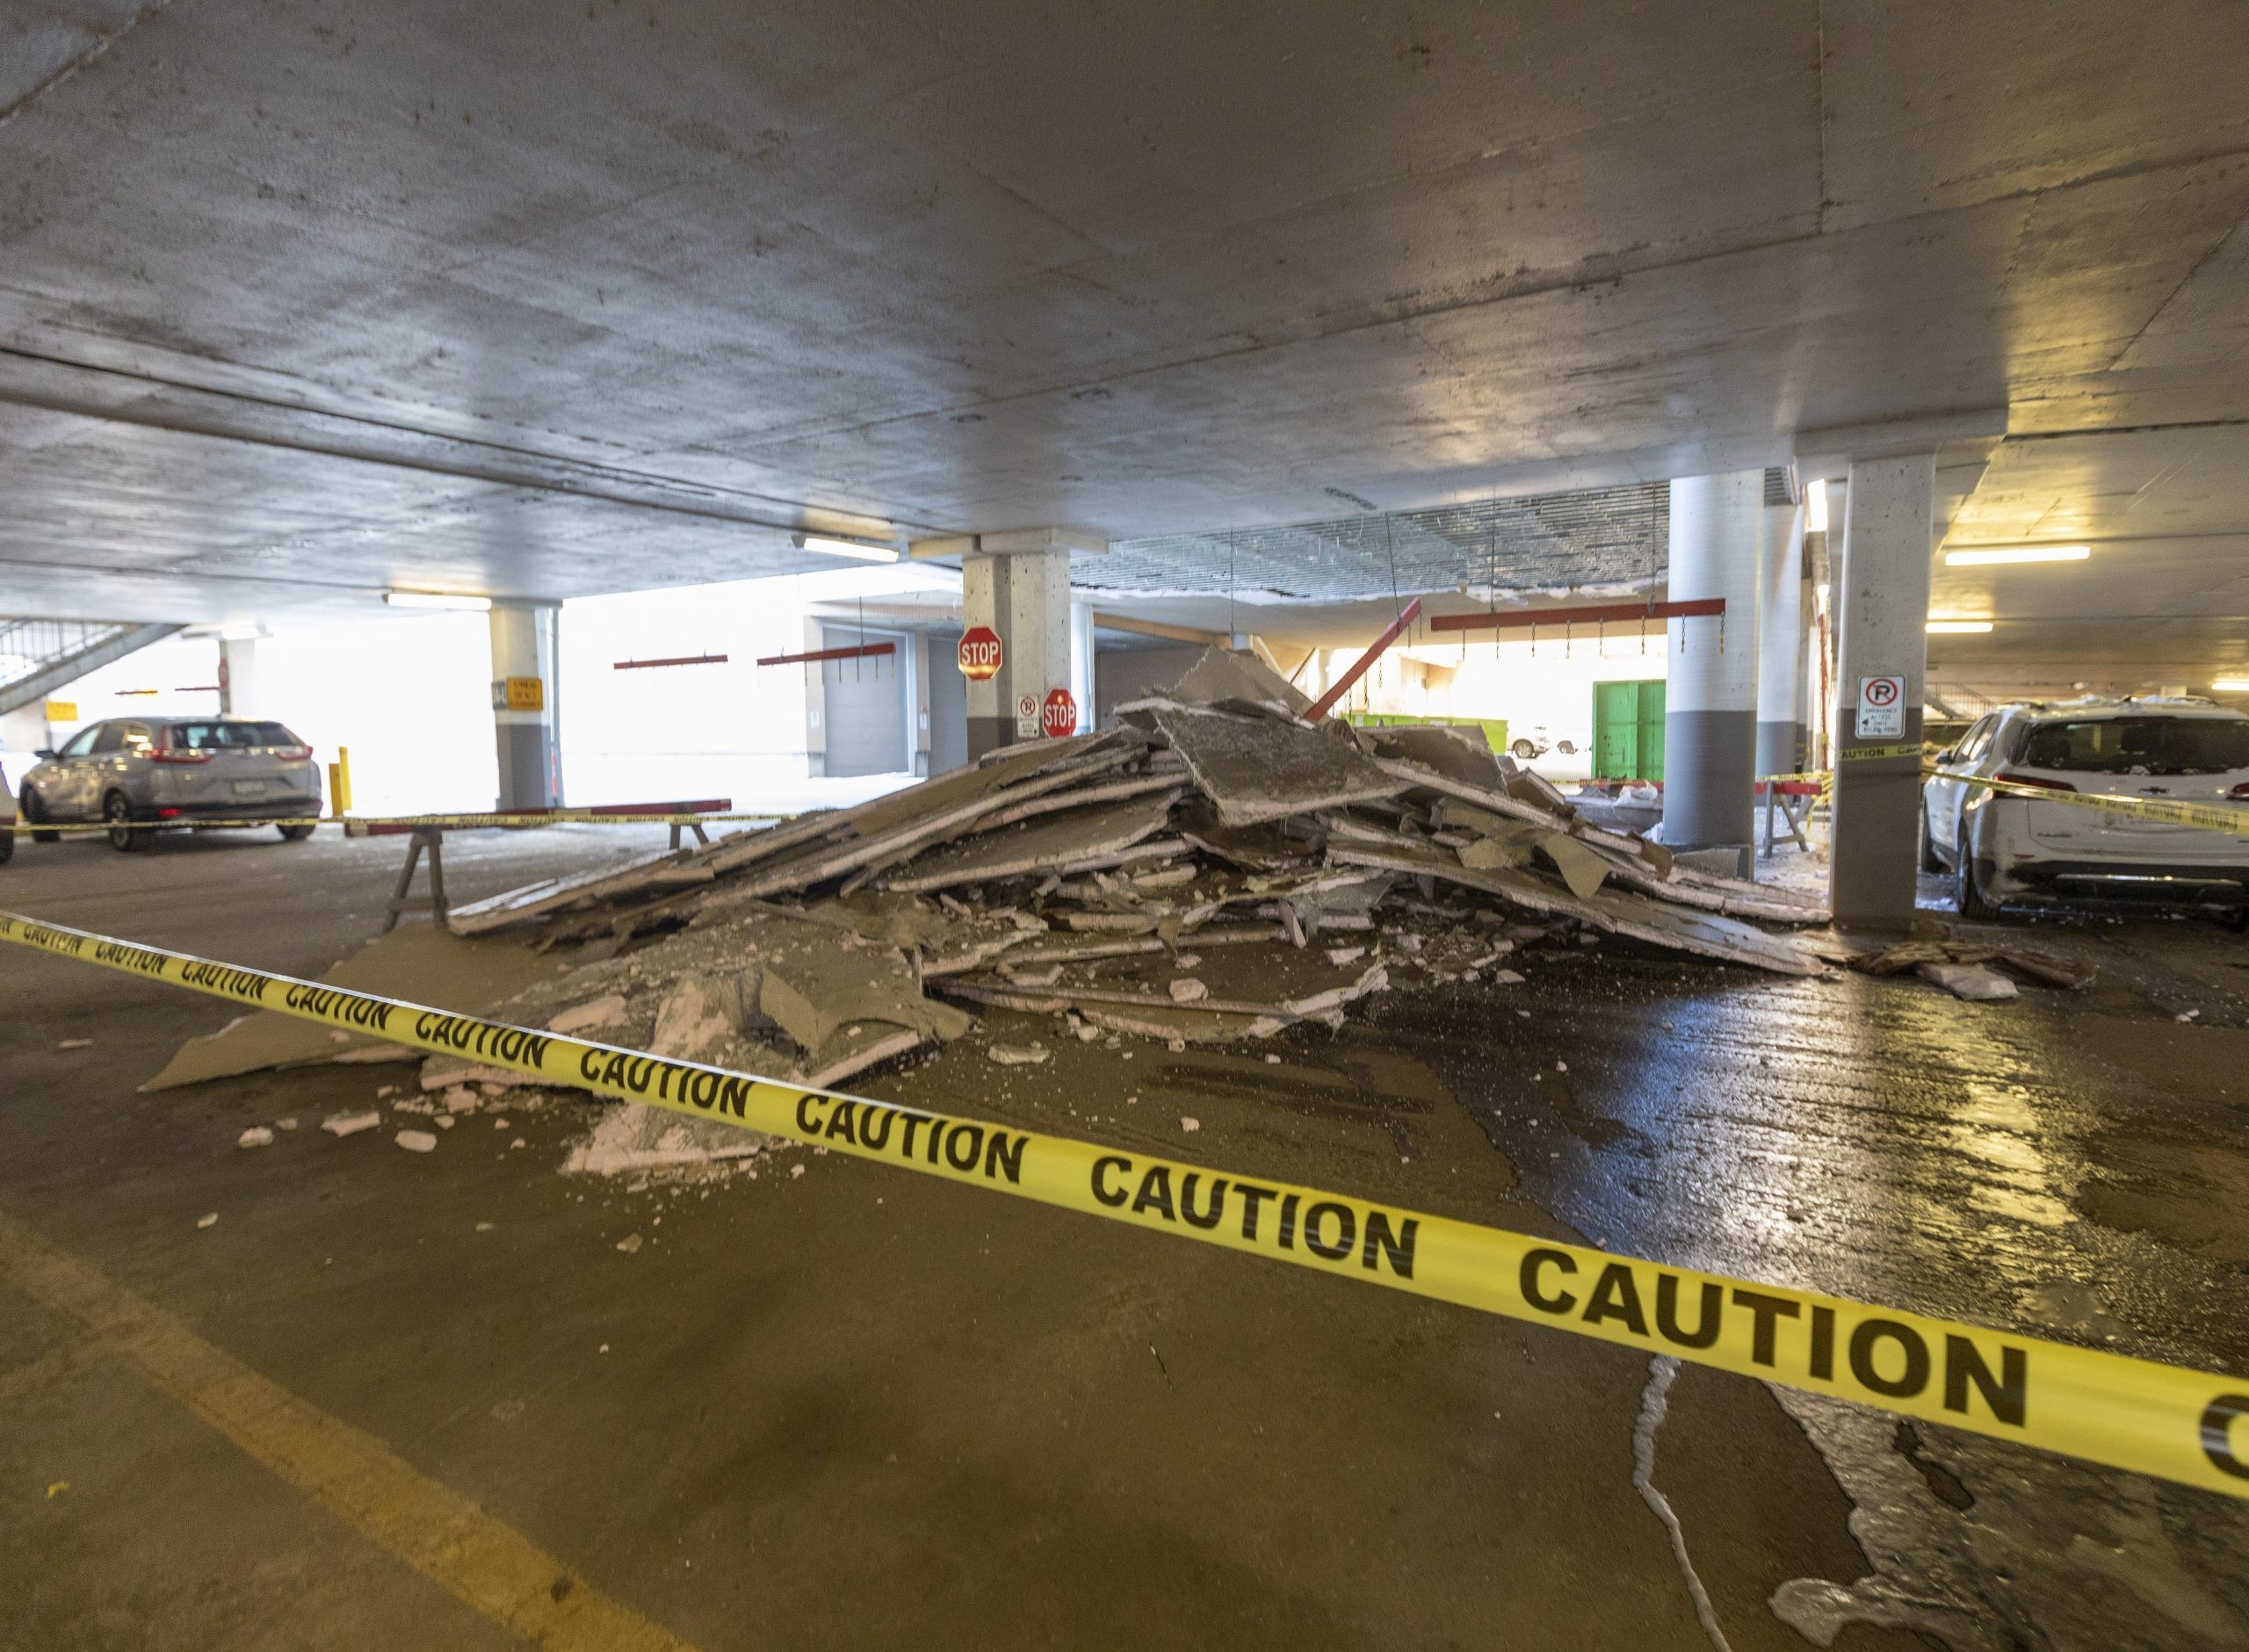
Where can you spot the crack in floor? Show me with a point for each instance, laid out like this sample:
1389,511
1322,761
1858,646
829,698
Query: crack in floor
1655,1403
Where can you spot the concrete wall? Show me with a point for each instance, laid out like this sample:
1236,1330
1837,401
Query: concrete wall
1122,674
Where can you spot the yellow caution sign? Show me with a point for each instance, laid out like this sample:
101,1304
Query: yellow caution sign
62,710
2190,1426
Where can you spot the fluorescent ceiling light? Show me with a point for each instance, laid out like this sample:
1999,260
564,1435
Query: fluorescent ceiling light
2017,553
436,599
2230,685
1958,627
830,546
1815,509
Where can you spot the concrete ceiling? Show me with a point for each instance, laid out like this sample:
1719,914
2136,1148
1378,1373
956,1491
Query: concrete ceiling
298,301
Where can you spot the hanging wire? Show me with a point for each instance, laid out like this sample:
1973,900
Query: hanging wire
1234,556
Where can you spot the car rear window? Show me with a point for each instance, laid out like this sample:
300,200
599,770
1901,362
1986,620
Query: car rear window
2138,746
229,736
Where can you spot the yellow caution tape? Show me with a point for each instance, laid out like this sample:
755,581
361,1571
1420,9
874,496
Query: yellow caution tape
2190,1426
1870,753
2210,817
356,825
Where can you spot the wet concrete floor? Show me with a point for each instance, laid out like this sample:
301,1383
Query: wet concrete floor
848,1408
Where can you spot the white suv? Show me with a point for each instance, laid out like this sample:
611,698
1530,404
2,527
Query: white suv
2000,847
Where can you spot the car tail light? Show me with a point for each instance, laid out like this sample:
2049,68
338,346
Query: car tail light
2241,793
168,814
167,754
2039,781
293,753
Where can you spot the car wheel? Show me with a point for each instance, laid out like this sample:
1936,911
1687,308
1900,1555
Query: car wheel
1929,862
123,837
1967,894
1568,748
1523,750
35,818
296,832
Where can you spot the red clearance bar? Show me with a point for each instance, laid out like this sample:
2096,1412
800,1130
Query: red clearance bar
683,659
865,652
501,817
1528,616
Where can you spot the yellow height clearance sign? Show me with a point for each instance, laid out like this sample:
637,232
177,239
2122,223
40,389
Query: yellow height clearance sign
2186,1426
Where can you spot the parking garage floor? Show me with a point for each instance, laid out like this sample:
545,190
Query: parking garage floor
837,1407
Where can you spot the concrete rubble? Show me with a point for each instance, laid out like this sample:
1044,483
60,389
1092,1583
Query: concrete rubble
1214,868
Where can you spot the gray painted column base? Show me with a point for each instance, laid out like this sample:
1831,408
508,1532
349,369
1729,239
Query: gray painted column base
1777,751
1707,801
989,733
1877,825
524,751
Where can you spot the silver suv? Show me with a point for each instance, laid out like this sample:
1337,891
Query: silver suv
133,772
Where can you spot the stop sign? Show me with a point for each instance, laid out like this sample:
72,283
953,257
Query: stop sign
979,653
1061,715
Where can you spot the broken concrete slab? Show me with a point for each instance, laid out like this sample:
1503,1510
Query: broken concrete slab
420,964
1238,682
1705,934
1582,869
1974,981
1254,770
1058,842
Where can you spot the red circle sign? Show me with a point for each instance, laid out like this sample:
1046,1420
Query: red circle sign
979,653
1061,715
1881,691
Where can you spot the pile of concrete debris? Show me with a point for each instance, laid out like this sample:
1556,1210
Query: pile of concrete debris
1216,868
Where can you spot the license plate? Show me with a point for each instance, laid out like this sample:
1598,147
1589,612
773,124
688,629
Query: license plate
250,789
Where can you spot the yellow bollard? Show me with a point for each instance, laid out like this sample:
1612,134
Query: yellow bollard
339,783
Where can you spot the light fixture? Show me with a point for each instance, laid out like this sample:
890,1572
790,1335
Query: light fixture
2230,685
829,545
2017,553
1815,509
1958,627
436,599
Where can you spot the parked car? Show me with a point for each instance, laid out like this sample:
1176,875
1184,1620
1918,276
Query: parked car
131,773
2000,847
1537,743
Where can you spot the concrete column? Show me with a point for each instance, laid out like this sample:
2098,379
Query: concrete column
238,687
1081,654
1882,590
1711,701
1780,640
1024,596
526,703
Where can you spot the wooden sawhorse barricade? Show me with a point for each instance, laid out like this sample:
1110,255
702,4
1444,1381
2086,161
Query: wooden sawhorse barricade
430,839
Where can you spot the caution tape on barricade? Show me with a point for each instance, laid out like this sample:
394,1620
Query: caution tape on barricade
2182,1425
357,824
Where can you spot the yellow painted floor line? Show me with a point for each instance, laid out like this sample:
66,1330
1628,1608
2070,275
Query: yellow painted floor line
440,1533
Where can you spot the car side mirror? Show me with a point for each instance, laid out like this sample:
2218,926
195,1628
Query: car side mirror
43,753
1945,756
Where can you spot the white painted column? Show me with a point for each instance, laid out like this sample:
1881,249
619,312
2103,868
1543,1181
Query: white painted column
1882,589
1081,649
1780,642
1711,697
526,703
238,685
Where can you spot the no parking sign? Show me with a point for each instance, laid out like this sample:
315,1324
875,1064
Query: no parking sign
1882,708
